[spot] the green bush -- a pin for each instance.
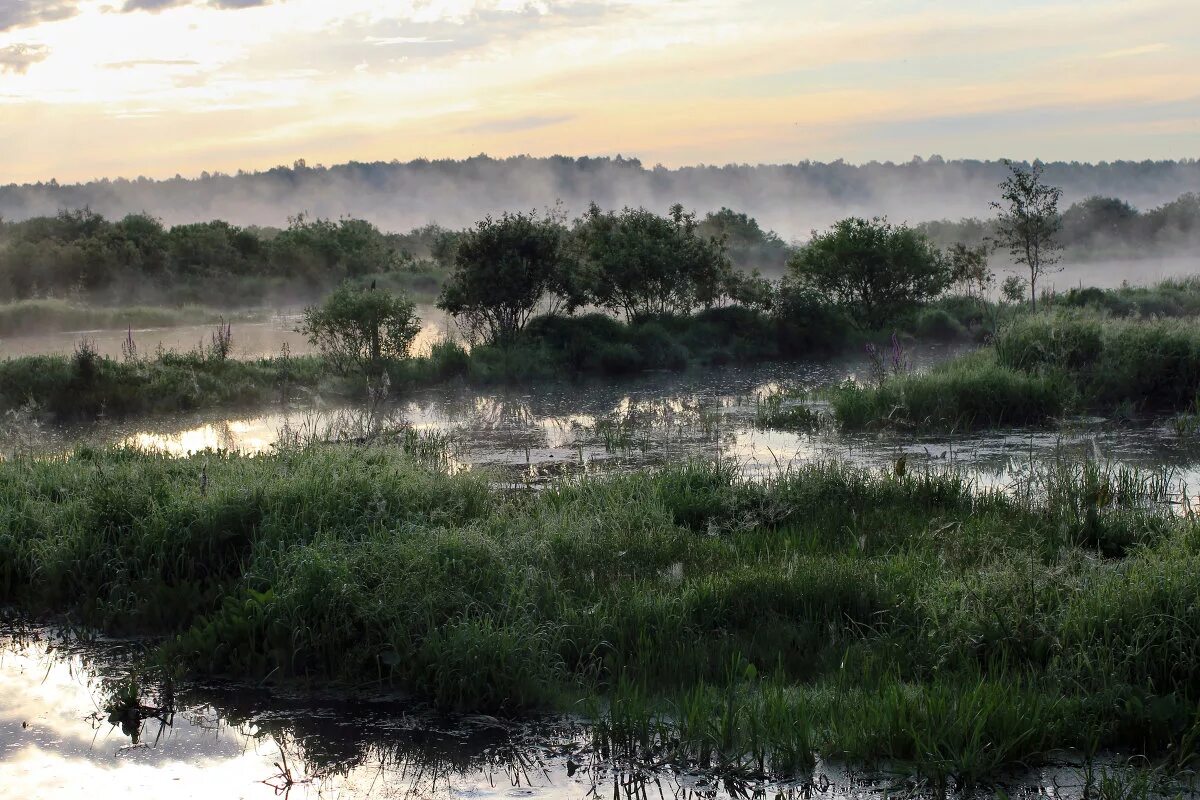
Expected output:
(936, 324)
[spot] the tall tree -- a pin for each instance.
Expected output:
(1028, 222)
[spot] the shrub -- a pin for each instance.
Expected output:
(362, 328)
(937, 324)
(872, 269)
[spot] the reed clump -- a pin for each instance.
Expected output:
(1040, 368)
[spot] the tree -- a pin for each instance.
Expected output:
(969, 269)
(503, 269)
(748, 245)
(873, 269)
(362, 329)
(1013, 288)
(643, 264)
(1028, 221)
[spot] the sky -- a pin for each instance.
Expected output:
(108, 88)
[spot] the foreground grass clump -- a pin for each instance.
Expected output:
(1040, 368)
(710, 620)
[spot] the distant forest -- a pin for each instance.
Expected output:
(792, 199)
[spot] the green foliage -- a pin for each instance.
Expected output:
(362, 329)
(643, 264)
(1013, 288)
(937, 325)
(503, 270)
(750, 248)
(872, 269)
(80, 254)
(1039, 368)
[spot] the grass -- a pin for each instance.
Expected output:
(1039, 369)
(702, 619)
(50, 315)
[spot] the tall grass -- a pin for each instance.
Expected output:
(749, 625)
(1040, 368)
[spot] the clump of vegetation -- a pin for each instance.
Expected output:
(827, 611)
(873, 270)
(1039, 368)
(362, 329)
(784, 410)
(503, 270)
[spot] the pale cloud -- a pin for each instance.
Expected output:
(260, 83)
(17, 58)
(1145, 49)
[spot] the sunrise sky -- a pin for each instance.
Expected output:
(92, 88)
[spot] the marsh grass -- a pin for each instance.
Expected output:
(784, 409)
(914, 620)
(1040, 369)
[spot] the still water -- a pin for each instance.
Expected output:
(58, 738)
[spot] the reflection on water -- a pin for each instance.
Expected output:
(535, 433)
(56, 740)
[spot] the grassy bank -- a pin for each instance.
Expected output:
(703, 619)
(50, 316)
(1040, 368)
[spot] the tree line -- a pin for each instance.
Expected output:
(81, 254)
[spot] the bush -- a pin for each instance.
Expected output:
(807, 324)
(873, 270)
(362, 329)
(938, 325)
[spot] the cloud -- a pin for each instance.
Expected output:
(23, 13)
(151, 62)
(516, 124)
(17, 57)
(1143, 50)
(160, 5)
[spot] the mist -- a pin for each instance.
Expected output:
(792, 199)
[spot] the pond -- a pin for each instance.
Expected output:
(67, 729)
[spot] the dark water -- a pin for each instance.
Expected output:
(57, 739)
